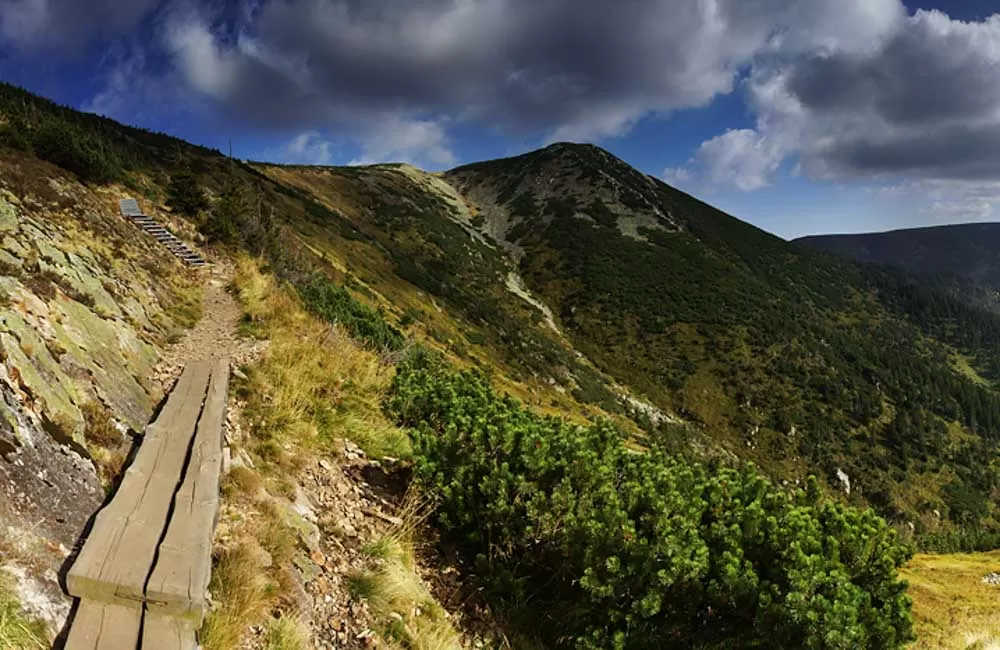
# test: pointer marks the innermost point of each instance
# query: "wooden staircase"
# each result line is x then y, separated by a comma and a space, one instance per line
130, 210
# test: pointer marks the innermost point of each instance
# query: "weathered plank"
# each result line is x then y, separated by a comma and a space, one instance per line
179, 580
118, 555
162, 632
129, 208
103, 626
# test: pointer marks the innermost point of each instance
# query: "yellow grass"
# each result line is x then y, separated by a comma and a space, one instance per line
239, 586
314, 384
952, 607
249, 575
286, 633
409, 615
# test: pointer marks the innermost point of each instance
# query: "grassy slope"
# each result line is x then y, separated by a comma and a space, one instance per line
313, 386
373, 219
952, 607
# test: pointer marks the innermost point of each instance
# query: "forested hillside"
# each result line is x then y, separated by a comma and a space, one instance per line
967, 251
653, 346
801, 362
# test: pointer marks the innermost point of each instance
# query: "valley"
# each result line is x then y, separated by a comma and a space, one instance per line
570, 389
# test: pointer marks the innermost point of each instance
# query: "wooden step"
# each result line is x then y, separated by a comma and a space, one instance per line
129, 207
118, 555
160, 632
103, 626
179, 582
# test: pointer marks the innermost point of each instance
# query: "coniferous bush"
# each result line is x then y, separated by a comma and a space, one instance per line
605, 547
184, 194
335, 304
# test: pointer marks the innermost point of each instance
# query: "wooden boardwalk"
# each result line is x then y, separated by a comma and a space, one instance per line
144, 568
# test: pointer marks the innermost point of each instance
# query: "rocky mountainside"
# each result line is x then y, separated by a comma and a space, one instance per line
87, 308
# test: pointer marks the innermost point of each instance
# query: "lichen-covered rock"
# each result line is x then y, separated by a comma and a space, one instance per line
84, 304
8, 217
115, 356
38, 375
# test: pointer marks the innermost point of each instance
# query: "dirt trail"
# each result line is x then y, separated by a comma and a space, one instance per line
214, 336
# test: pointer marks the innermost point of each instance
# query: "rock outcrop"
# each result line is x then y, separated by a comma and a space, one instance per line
86, 306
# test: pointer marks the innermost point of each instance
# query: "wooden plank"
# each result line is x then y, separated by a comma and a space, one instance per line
129, 207
118, 555
161, 632
102, 626
179, 581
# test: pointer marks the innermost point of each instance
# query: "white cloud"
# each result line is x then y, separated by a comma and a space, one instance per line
742, 158
919, 97
124, 84
210, 68
394, 139
308, 148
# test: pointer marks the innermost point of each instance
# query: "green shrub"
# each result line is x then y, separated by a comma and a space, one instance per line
602, 547
335, 304
75, 150
184, 194
221, 225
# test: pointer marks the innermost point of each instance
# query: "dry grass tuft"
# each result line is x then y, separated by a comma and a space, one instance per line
100, 428
240, 587
952, 607
397, 596
286, 633
109, 463
17, 630
241, 482
315, 384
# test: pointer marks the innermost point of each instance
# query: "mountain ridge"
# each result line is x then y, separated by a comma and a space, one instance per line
758, 342
643, 319
970, 251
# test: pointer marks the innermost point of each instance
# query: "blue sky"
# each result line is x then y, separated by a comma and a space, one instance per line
800, 116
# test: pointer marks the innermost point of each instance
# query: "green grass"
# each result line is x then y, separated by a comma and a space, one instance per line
286, 633
17, 630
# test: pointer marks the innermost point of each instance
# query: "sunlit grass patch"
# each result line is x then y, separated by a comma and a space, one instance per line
286, 633
315, 384
952, 606
18, 631
406, 611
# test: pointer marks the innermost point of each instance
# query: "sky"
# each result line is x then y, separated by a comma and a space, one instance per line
799, 116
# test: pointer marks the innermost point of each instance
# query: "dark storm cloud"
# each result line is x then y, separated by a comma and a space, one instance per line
68, 25
575, 65
956, 152
928, 73
926, 103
